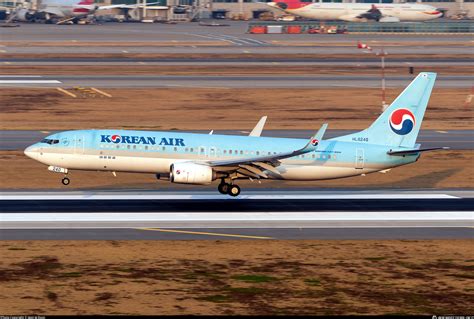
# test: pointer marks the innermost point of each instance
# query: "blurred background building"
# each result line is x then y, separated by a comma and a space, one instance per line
233, 9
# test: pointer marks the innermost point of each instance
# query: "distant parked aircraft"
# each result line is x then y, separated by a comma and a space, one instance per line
190, 158
356, 12
60, 11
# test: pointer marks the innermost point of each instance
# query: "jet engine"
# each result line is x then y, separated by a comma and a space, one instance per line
372, 14
191, 173
24, 15
282, 5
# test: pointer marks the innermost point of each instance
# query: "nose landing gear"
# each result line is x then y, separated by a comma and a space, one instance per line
229, 189
66, 181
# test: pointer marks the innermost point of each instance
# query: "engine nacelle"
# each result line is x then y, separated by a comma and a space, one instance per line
190, 173
24, 15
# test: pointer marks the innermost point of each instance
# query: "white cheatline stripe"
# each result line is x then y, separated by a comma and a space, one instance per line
87, 196
236, 217
29, 81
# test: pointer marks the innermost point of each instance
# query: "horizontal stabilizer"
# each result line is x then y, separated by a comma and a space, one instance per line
414, 151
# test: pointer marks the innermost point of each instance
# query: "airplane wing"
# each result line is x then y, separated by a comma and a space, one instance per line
255, 166
53, 11
130, 6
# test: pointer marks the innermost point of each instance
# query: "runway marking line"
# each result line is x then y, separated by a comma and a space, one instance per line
442, 132
203, 233
66, 92
101, 92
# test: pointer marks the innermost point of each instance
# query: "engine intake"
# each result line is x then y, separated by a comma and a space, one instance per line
190, 173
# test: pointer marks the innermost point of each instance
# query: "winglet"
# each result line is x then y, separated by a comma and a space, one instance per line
320, 134
315, 139
257, 130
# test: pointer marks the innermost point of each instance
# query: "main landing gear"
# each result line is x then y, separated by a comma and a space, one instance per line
229, 189
66, 181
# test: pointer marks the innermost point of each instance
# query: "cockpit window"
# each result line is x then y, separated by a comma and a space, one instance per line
49, 141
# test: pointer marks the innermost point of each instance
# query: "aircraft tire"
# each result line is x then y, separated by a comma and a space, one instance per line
66, 181
223, 188
234, 190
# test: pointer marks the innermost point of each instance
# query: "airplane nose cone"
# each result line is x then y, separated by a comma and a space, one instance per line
31, 152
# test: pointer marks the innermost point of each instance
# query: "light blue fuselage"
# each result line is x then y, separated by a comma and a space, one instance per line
154, 152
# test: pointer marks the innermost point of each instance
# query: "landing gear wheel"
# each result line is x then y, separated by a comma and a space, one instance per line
66, 181
234, 190
223, 188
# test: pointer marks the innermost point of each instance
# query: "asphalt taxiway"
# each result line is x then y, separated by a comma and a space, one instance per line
234, 34
254, 47
225, 81
255, 215
454, 139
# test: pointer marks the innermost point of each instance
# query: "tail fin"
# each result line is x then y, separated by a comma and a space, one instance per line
400, 123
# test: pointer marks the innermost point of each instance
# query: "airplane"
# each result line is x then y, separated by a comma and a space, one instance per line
61, 11
190, 158
359, 12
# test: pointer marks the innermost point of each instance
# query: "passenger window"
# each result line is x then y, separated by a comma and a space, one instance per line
146, 147
241, 152
230, 151
164, 148
175, 149
191, 150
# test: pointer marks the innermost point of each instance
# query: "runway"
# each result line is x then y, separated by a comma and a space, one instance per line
246, 47
256, 215
405, 233
419, 63
233, 34
455, 139
354, 61
237, 81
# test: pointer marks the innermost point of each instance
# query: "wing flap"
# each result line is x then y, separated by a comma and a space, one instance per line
254, 170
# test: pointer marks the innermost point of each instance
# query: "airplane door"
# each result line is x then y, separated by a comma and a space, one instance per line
212, 152
79, 144
359, 158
